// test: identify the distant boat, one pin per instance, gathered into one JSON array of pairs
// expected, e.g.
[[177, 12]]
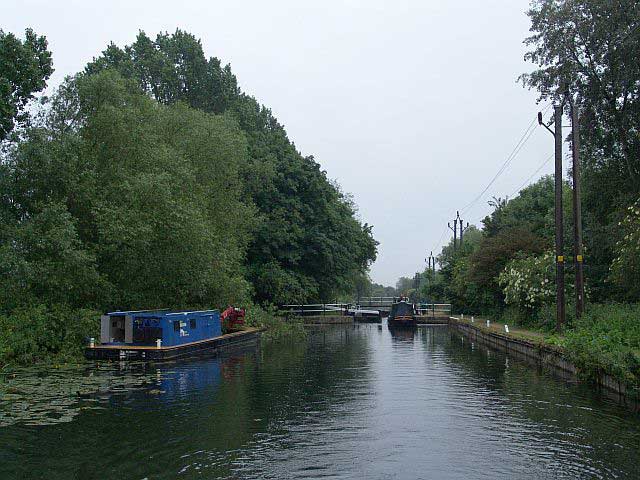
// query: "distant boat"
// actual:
[[365, 316], [402, 314]]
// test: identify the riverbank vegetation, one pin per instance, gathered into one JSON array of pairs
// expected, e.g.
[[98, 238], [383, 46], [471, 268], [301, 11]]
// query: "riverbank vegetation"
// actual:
[[150, 180], [607, 338], [506, 269]]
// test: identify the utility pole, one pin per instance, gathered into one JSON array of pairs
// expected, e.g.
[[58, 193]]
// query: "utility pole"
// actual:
[[432, 264], [462, 230], [560, 307], [560, 301], [455, 230], [577, 210]]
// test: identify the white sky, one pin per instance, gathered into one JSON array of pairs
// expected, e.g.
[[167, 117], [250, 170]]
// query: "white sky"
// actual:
[[412, 106]]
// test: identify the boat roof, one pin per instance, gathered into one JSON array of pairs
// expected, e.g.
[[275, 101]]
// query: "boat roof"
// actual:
[[362, 310], [160, 312]]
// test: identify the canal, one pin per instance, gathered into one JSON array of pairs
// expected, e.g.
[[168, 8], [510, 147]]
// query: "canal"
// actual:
[[346, 402]]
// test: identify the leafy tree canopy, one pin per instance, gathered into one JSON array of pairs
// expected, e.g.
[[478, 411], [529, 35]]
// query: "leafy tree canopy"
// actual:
[[309, 245], [116, 201], [25, 66]]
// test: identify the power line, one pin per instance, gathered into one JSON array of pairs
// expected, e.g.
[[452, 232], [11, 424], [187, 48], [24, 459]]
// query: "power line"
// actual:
[[524, 138], [532, 175], [529, 131]]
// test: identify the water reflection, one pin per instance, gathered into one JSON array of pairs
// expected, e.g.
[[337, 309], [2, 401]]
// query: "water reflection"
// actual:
[[403, 334], [347, 402]]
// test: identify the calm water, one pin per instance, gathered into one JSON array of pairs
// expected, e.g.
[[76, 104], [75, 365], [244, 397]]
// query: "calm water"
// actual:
[[347, 402]]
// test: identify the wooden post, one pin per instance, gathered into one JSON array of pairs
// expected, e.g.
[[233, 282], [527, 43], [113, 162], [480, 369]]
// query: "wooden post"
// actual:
[[577, 211], [560, 305]]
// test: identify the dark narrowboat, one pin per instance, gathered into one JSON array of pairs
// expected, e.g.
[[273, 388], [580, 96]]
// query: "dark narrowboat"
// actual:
[[402, 314], [163, 335]]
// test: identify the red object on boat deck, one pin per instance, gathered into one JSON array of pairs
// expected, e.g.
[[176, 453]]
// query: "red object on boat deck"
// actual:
[[232, 318]]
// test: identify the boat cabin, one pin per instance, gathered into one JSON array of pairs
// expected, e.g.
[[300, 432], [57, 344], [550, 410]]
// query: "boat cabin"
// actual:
[[402, 313], [148, 326]]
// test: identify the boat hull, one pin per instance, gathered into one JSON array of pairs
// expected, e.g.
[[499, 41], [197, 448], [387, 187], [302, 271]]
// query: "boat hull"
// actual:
[[402, 322], [211, 346]]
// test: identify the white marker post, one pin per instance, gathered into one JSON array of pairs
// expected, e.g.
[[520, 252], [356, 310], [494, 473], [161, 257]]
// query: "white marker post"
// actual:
[[506, 328], [472, 321], [488, 323]]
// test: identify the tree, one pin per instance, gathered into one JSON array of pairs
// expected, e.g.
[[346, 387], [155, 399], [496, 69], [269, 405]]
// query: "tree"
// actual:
[[131, 204], [405, 285], [533, 209], [308, 245], [589, 48], [25, 67], [493, 253], [625, 269]]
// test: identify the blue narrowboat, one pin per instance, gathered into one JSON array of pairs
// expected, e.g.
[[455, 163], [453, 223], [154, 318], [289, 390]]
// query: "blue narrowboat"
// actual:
[[163, 335]]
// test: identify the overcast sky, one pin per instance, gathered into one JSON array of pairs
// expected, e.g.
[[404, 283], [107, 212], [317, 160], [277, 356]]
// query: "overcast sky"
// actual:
[[412, 106]]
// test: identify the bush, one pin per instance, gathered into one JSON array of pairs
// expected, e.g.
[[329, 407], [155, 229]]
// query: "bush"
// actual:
[[529, 282], [607, 339], [625, 269], [38, 332], [277, 328]]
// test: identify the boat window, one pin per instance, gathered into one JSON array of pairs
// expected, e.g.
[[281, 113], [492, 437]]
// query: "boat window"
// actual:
[[192, 323], [176, 325]]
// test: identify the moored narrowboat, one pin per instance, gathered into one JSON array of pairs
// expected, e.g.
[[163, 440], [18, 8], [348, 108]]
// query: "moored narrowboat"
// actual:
[[402, 314], [163, 335]]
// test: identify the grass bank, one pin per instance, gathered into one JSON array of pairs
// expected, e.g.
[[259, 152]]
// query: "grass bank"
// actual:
[[605, 340]]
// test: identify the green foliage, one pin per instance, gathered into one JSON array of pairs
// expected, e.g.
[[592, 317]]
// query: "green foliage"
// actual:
[[607, 338], [150, 180], [433, 287], [404, 285], [625, 269], [451, 282], [276, 328], [45, 332], [309, 245], [468, 276], [43, 259], [593, 45], [493, 254], [529, 282], [25, 66], [137, 205], [532, 209]]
